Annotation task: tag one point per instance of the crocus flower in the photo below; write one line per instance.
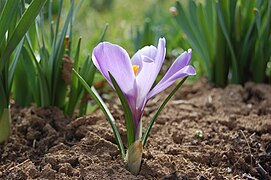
(137, 75)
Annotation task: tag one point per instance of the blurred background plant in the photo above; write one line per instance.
(122, 17)
(232, 38)
(47, 60)
(15, 20)
(101, 5)
(159, 23)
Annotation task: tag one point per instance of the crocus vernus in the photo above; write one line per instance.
(136, 76)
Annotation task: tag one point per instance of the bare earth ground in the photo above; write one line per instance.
(203, 133)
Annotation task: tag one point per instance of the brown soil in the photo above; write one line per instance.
(203, 133)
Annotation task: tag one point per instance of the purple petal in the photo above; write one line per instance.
(149, 70)
(178, 69)
(113, 58)
(146, 54)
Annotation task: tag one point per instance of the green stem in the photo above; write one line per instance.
(138, 134)
(5, 121)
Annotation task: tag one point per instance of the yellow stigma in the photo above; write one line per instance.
(135, 68)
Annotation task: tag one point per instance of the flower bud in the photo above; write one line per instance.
(66, 42)
(173, 10)
(134, 157)
(255, 11)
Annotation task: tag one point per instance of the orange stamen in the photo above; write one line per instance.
(135, 69)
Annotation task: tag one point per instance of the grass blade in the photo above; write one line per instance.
(44, 89)
(130, 126)
(24, 23)
(105, 110)
(74, 92)
(4, 99)
(50, 19)
(13, 64)
(186, 26)
(5, 124)
(56, 60)
(6, 16)
(147, 132)
(222, 22)
(31, 75)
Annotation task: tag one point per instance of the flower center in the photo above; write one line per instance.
(135, 69)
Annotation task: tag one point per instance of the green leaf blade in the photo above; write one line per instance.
(130, 126)
(23, 25)
(105, 110)
(6, 16)
(147, 131)
(223, 25)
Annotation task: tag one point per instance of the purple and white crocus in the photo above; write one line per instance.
(137, 75)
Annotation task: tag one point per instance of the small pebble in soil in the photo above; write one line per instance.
(195, 142)
(229, 170)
